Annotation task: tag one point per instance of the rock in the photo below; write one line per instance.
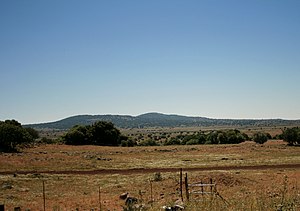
(131, 200)
(173, 208)
(6, 186)
(123, 196)
(179, 202)
(24, 189)
(225, 159)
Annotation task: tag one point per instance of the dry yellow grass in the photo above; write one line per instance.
(243, 189)
(62, 157)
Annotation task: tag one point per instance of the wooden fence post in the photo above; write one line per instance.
(202, 188)
(100, 203)
(181, 195)
(44, 195)
(187, 187)
(151, 192)
(211, 189)
(1, 207)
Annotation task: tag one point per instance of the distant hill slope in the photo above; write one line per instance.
(159, 120)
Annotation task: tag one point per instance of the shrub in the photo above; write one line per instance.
(14, 136)
(128, 143)
(157, 177)
(148, 142)
(100, 133)
(193, 142)
(291, 135)
(173, 141)
(260, 138)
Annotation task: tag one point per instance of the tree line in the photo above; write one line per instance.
(214, 137)
(13, 136)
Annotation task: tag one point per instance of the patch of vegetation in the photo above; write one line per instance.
(291, 135)
(13, 136)
(213, 137)
(157, 177)
(100, 133)
(148, 142)
(260, 137)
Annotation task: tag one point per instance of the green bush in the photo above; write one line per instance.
(291, 135)
(157, 177)
(148, 142)
(100, 133)
(128, 143)
(173, 141)
(260, 138)
(193, 142)
(14, 136)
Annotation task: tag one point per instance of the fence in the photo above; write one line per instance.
(193, 191)
(199, 190)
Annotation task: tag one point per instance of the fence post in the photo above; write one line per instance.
(1, 207)
(202, 188)
(187, 187)
(211, 187)
(151, 193)
(181, 195)
(100, 204)
(44, 195)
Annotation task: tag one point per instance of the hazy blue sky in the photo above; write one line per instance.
(214, 58)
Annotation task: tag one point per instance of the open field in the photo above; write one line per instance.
(248, 176)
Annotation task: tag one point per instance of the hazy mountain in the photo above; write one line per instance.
(159, 120)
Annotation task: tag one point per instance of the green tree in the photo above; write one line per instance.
(100, 133)
(149, 142)
(128, 143)
(212, 138)
(105, 133)
(192, 142)
(260, 138)
(291, 135)
(75, 137)
(222, 138)
(34, 133)
(13, 136)
(173, 141)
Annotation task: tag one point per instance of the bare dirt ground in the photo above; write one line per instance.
(153, 170)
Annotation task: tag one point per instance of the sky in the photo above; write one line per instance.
(210, 58)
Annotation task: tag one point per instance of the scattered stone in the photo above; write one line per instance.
(6, 186)
(10, 197)
(225, 159)
(173, 208)
(123, 196)
(24, 190)
(179, 203)
(89, 156)
(131, 200)
(104, 159)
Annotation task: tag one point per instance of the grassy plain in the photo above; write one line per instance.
(260, 189)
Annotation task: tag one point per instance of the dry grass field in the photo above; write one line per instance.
(74, 174)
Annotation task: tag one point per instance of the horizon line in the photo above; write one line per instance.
(167, 114)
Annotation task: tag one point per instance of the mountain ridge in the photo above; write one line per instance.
(155, 119)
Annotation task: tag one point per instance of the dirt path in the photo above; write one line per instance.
(153, 170)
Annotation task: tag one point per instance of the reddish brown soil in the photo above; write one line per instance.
(152, 170)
